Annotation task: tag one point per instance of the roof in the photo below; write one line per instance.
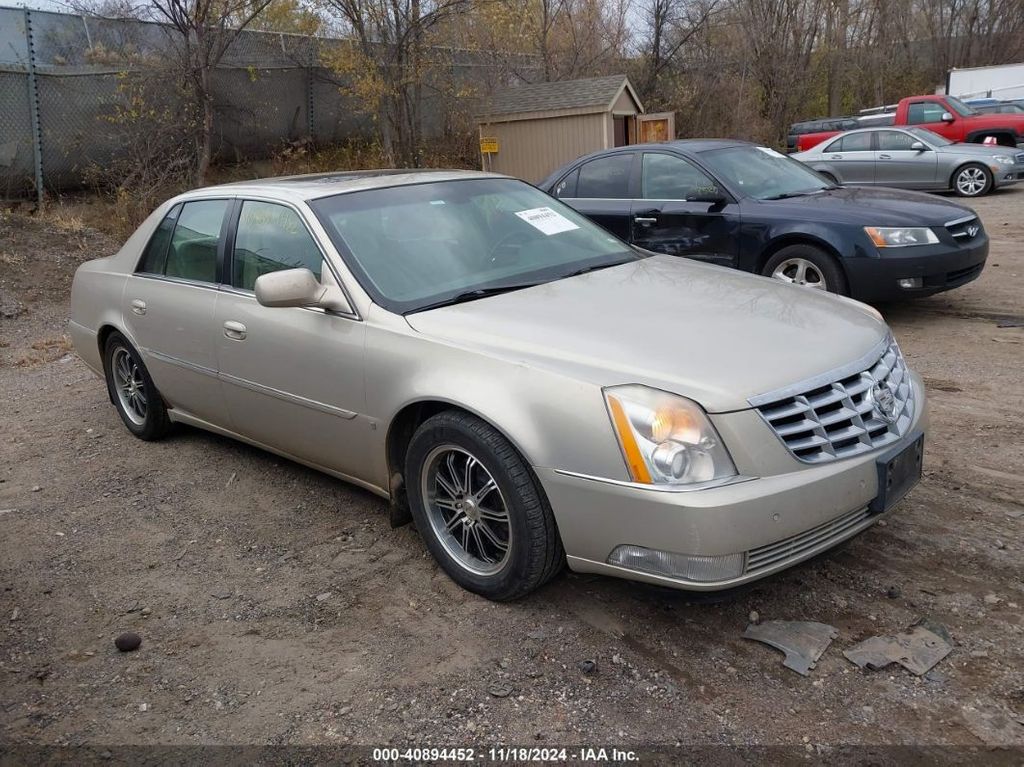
(314, 185)
(586, 96)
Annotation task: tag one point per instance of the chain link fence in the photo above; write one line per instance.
(63, 78)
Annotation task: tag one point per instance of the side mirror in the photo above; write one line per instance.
(918, 146)
(298, 287)
(947, 117)
(713, 196)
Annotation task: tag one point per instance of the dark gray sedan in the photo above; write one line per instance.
(914, 158)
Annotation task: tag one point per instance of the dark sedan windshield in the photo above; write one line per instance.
(425, 245)
(763, 173)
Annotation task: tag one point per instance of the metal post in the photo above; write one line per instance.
(309, 91)
(33, 106)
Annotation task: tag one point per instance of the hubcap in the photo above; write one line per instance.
(131, 390)
(800, 271)
(466, 510)
(971, 181)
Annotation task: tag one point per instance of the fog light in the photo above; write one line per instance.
(911, 282)
(691, 567)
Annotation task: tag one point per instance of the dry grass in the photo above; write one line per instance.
(45, 350)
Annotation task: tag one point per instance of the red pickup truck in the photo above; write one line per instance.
(947, 116)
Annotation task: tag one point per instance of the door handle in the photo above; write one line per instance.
(885, 157)
(836, 157)
(138, 306)
(645, 220)
(234, 330)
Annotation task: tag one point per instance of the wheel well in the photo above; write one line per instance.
(961, 166)
(797, 239)
(1005, 138)
(101, 337)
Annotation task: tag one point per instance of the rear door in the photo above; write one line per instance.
(682, 211)
(601, 189)
(896, 164)
(852, 157)
(169, 305)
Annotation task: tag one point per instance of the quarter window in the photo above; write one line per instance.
(192, 254)
(606, 177)
(270, 238)
(666, 177)
(923, 112)
(155, 255)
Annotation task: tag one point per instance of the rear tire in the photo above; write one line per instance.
(480, 509)
(132, 391)
(972, 180)
(807, 265)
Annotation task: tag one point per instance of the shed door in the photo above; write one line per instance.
(660, 126)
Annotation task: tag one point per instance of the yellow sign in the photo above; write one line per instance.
(488, 145)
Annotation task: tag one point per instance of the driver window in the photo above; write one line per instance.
(666, 177)
(269, 238)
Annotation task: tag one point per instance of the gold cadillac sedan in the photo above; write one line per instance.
(529, 388)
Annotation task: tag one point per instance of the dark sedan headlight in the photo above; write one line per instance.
(900, 236)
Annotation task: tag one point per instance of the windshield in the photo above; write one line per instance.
(929, 137)
(424, 245)
(763, 173)
(959, 107)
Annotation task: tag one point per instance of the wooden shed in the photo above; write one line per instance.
(530, 130)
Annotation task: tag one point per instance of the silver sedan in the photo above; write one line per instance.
(527, 388)
(914, 158)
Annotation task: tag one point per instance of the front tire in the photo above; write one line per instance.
(132, 390)
(808, 266)
(480, 509)
(972, 180)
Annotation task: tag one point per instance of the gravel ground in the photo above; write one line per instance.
(276, 606)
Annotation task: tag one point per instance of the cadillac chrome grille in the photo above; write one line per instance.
(847, 416)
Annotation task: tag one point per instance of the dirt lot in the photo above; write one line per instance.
(276, 605)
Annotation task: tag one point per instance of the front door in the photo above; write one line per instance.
(681, 211)
(896, 164)
(169, 305)
(292, 377)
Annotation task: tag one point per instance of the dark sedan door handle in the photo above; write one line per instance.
(646, 220)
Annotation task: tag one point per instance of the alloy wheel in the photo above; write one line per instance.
(130, 386)
(466, 510)
(971, 181)
(800, 271)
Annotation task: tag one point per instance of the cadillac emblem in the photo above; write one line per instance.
(885, 403)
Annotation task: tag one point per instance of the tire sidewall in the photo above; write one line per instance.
(985, 189)
(451, 432)
(826, 265)
(154, 423)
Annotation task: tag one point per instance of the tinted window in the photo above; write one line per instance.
(855, 142)
(893, 141)
(606, 177)
(193, 251)
(269, 238)
(567, 186)
(155, 256)
(925, 112)
(672, 178)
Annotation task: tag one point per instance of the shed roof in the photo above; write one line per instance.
(586, 96)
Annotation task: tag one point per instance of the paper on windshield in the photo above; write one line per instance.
(546, 220)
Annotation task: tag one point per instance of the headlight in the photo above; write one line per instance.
(1002, 159)
(900, 236)
(666, 439)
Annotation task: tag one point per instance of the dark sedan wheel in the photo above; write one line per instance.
(480, 509)
(132, 390)
(972, 180)
(808, 266)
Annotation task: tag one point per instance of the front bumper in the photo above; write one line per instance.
(772, 521)
(939, 267)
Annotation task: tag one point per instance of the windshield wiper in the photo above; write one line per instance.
(593, 268)
(472, 295)
(790, 195)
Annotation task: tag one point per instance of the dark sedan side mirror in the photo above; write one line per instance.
(918, 146)
(713, 196)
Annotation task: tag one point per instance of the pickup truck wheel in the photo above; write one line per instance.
(972, 180)
(806, 265)
(480, 509)
(132, 390)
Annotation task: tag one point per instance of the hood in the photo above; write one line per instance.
(870, 206)
(977, 150)
(715, 335)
